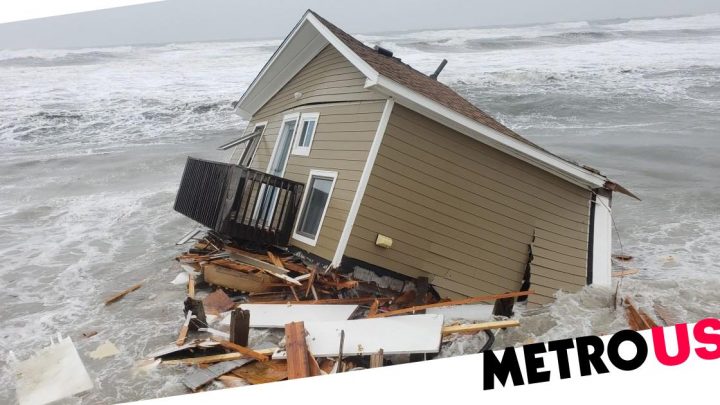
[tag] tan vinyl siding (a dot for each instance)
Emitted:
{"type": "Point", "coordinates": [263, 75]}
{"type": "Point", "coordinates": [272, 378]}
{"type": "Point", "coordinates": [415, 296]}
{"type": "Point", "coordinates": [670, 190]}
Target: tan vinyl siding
{"type": "Point", "coordinates": [348, 119]}
{"type": "Point", "coordinates": [464, 214]}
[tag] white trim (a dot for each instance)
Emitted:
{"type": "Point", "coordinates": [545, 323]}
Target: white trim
{"type": "Point", "coordinates": [362, 185]}
{"type": "Point", "coordinates": [485, 134]}
{"type": "Point", "coordinates": [314, 173]}
{"type": "Point", "coordinates": [304, 150]}
{"type": "Point", "coordinates": [257, 124]}
{"type": "Point", "coordinates": [602, 242]}
{"type": "Point", "coordinates": [286, 118]}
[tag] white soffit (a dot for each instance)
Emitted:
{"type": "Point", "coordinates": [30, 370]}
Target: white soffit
{"type": "Point", "coordinates": [278, 315]}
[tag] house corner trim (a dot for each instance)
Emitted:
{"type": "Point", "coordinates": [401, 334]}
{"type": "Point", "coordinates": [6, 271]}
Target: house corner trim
{"type": "Point", "coordinates": [362, 185]}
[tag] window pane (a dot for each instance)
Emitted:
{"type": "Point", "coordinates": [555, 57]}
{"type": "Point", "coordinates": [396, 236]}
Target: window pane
{"type": "Point", "coordinates": [314, 206]}
{"type": "Point", "coordinates": [307, 129]}
{"type": "Point", "coordinates": [283, 148]}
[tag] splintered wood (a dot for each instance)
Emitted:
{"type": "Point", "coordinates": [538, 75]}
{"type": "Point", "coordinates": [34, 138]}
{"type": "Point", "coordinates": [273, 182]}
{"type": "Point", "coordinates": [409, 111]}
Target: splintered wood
{"type": "Point", "coordinates": [298, 363]}
{"type": "Point", "coordinates": [486, 298]}
{"type": "Point", "coordinates": [637, 318]}
{"type": "Point", "coordinates": [122, 294]}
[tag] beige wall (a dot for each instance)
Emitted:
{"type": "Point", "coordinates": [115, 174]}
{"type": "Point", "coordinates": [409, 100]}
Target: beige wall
{"type": "Point", "coordinates": [349, 117]}
{"type": "Point", "coordinates": [464, 214]}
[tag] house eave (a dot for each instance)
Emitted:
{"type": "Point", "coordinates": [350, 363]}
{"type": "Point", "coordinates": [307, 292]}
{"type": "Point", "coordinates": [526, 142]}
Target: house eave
{"type": "Point", "coordinates": [489, 136]}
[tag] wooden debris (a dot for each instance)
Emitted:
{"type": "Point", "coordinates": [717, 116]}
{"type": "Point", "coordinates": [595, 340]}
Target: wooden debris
{"type": "Point", "coordinates": [258, 263]}
{"type": "Point", "coordinates": [314, 366]}
{"type": "Point", "coordinates": [89, 334]}
{"type": "Point", "coordinates": [184, 329]}
{"type": "Point", "coordinates": [374, 309]}
{"type": "Point", "coordinates": [275, 260]}
{"type": "Point", "coordinates": [122, 294]}
{"type": "Point", "coordinates": [197, 308]}
{"type": "Point", "coordinates": [637, 319]}
{"type": "Point", "coordinates": [376, 359]}
{"type": "Point", "coordinates": [327, 365]}
{"type": "Point", "coordinates": [623, 273]}
{"type": "Point", "coordinates": [231, 381]}
{"type": "Point", "coordinates": [217, 302]}
{"type": "Point", "coordinates": [331, 301]}
{"type": "Point", "coordinates": [478, 327]}
{"type": "Point", "coordinates": [472, 300]}
{"type": "Point", "coordinates": [242, 350]}
{"type": "Point", "coordinates": [237, 280]}
{"type": "Point", "coordinates": [240, 327]}
{"type": "Point", "coordinates": [297, 351]}
{"type": "Point", "coordinates": [205, 359]}
{"type": "Point", "coordinates": [191, 286]}
{"type": "Point", "coordinates": [624, 258]}
{"type": "Point", "coordinates": [261, 373]}
{"type": "Point", "coordinates": [201, 376]}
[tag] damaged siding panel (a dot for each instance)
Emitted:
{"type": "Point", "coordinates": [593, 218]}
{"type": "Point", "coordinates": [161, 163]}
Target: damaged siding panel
{"type": "Point", "coordinates": [348, 118]}
{"type": "Point", "coordinates": [464, 214]}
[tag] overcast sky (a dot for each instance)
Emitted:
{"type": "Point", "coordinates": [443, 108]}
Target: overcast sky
{"type": "Point", "coordinates": [202, 20]}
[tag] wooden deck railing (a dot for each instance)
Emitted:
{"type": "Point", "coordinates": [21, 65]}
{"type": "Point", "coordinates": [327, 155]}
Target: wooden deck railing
{"type": "Point", "coordinates": [239, 202]}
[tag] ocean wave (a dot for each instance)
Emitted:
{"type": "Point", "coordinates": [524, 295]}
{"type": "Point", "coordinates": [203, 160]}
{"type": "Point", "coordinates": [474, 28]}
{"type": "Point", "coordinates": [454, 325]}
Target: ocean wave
{"type": "Point", "coordinates": [69, 59]}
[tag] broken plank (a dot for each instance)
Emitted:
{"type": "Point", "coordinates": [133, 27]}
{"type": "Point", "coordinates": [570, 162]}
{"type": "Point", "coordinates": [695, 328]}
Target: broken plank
{"type": "Point", "coordinates": [298, 364]}
{"type": "Point", "coordinates": [261, 373]}
{"type": "Point", "coordinates": [191, 286]}
{"type": "Point", "coordinates": [333, 301]}
{"type": "Point", "coordinates": [204, 359]}
{"type": "Point", "coordinates": [397, 335]}
{"type": "Point", "coordinates": [275, 260]}
{"type": "Point", "coordinates": [239, 327]}
{"type": "Point", "coordinates": [242, 350]}
{"type": "Point", "coordinates": [473, 300]}
{"type": "Point", "coordinates": [201, 376]}
{"type": "Point", "coordinates": [184, 329]}
{"type": "Point", "coordinates": [376, 359]}
{"type": "Point", "coordinates": [478, 327]}
{"type": "Point", "coordinates": [623, 273]}
{"type": "Point", "coordinates": [122, 294]}
{"type": "Point", "coordinates": [258, 263]}
{"type": "Point", "coordinates": [237, 280]}
{"type": "Point", "coordinates": [283, 277]}
{"type": "Point", "coordinates": [279, 315]}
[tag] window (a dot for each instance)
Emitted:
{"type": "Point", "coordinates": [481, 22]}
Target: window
{"type": "Point", "coordinates": [245, 146]}
{"type": "Point", "coordinates": [305, 135]}
{"type": "Point", "coordinates": [315, 203]}
{"type": "Point", "coordinates": [251, 145]}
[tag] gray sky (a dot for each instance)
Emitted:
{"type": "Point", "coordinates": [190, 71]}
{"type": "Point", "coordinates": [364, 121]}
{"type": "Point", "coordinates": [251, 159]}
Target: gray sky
{"type": "Point", "coordinates": [203, 20]}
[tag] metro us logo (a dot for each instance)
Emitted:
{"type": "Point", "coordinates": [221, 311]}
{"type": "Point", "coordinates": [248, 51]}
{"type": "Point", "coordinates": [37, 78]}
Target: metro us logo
{"type": "Point", "coordinates": [584, 355]}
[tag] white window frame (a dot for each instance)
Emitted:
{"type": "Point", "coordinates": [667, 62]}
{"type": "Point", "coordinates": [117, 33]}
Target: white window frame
{"type": "Point", "coordinates": [260, 138]}
{"type": "Point", "coordinates": [314, 173]}
{"type": "Point", "coordinates": [304, 150]}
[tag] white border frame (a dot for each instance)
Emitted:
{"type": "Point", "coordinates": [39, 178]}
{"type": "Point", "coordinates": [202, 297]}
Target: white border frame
{"type": "Point", "coordinates": [362, 184]}
{"type": "Point", "coordinates": [314, 173]}
{"type": "Point", "coordinates": [286, 118]}
{"type": "Point", "coordinates": [304, 150]}
{"type": "Point", "coordinates": [264, 123]}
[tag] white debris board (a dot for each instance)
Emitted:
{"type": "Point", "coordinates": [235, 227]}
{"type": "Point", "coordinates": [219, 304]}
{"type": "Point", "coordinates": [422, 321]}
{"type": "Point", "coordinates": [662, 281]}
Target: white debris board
{"type": "Point", "coordinates": [470, 312]}
{"type": "Point", "coordinates": [278, 315]}
{"type": "Point", "coordinates": [395, 335]}
{"type": "Point", "coordinates": [53, 373]}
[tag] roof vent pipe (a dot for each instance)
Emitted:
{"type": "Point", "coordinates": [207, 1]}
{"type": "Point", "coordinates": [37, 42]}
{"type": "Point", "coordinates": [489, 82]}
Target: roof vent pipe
{"type": "Point", "coordinates": [439, 69]}
{"type": "Point", "coordinates": [384, 52]}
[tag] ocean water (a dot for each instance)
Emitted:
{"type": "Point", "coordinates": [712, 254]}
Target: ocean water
{"type": "Point", "coordinates": [93, 143]}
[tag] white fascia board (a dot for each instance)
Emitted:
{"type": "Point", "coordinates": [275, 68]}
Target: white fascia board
{"type": "Point", "coordinates": [300, 47]}
{"type": "Point", "coordinates": [602, 242]}
{"type": "Point", "coordinates": [485, 134]}
{"type": "Point", "coordinates": [362, 184]}
{"type": "Point", "coordinates": [348, 53]}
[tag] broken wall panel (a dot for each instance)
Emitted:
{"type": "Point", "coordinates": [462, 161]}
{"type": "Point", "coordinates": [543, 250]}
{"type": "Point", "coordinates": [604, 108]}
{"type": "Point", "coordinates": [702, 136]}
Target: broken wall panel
{"type": "Point", "coordinates": [395, 335]}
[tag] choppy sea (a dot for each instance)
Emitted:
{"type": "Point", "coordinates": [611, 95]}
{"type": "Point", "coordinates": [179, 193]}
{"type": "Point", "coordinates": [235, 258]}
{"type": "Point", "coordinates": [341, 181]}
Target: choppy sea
{"type": "Point", "coordinates": [93, 143]}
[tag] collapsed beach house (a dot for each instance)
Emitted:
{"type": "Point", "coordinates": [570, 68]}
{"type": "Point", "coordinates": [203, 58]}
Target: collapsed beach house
{"type": "Point", "coordinates": [367, 165]}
